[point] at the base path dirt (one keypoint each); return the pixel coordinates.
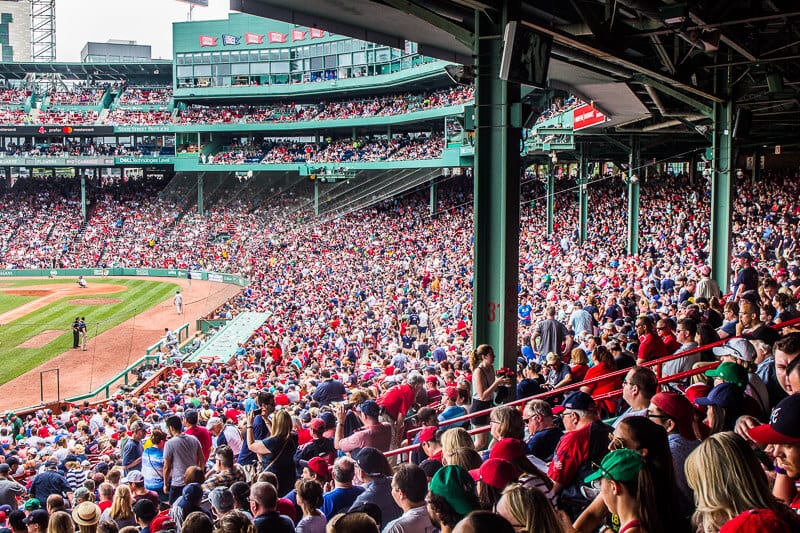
(110, 352)
(47, 294)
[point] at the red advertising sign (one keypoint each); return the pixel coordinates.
(585, 116)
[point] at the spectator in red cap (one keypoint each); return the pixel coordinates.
(430, 442)
(514, 451)
(783, 433)
(585, 442)
(432, 390)
(728, 479)
(673, 412)
(453, 406)
(491, 478)
(320, 445)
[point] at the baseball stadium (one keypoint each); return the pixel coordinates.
(408, 266)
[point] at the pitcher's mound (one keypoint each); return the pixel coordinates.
(43, 338)
(94, 301)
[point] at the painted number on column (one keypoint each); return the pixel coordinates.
(493, 309)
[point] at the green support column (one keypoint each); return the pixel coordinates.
(497, 183)
(693, 170)
(756, 173)
(550, 190)
(83, 196)
(583, 195)
(434, 199)
(721, 184)
(316, 198)
(200, 192)
(634, 169)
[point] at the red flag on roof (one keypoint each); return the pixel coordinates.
(276, 37)
(317, 33)
(298, 35)
(253, 38)
(206, 40)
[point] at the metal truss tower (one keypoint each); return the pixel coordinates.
(43, 30)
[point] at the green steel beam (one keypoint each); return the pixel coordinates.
(634, 162)
(200, 192)
(551, 193)
(83, 197)
(666, 89)
(434, 199)
(722, 183)
(497, 196)
(316, 198)
(583, 194)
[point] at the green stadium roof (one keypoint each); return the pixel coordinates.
(158, 70)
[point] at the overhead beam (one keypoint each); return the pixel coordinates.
(666, 89)
(603, 55)
(462, 34)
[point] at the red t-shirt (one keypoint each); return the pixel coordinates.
(571, 452)
(201, 434)
(397, 400)
(578, 372)
(603, 386)
(651, 347)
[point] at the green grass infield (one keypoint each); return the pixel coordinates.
(138, 296)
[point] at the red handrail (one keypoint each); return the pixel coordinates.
(574, 386)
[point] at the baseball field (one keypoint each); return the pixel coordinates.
(123, 316)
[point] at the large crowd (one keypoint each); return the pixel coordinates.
(347, 150)
(369, 347)
(336, 110)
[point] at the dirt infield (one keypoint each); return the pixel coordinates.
(43, 338)
(110, 352)
(94, 301)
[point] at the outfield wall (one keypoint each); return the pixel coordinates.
(109, 272)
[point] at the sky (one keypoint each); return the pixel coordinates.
(143, 21)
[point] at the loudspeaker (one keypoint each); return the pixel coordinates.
(742, 123)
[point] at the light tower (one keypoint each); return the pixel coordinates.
(43, 30)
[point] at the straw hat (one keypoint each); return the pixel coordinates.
(86, 514)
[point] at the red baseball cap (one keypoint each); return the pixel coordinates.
(756, 521)
(318, 465)
(427, 434)
(678, 408)
(431, 379)
(317, 424)
(451, 392)
(508, 449)
(497, 473)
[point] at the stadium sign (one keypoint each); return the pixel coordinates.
(132, 160)
(585, 116)
(58, 130)
(56, 161)
(157, 128)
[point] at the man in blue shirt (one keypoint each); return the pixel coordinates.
(330, 390)
(341, 498)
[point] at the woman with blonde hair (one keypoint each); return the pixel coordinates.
(727, 479)
(121, 510)
(484, 385)
(466, 458)
(528, 510)
(60, 522)
(453, 439)
(579, 364)
(277, 450)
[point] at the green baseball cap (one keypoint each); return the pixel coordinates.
(620, 465)
(730, 372)
(455, 484)
(32, 504)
